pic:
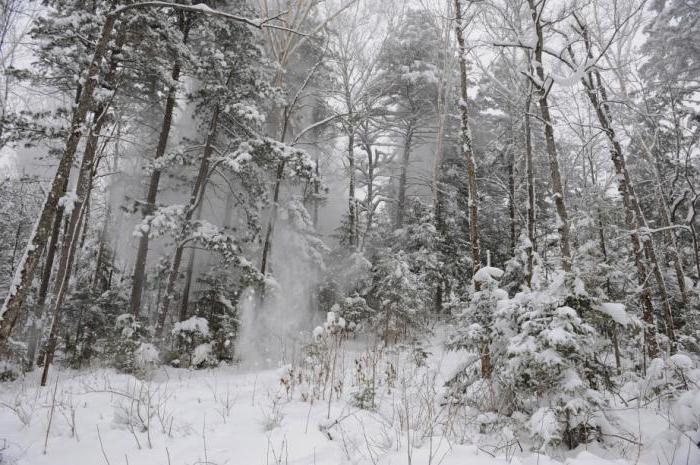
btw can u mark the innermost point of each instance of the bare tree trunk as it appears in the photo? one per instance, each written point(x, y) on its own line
point(466, 139)
point(555, 174)
point(139, 274)
point(511, 200)
point(195, 198)
point(530, 172)
point(401, 201)
point(12, 307)
point(317, 193)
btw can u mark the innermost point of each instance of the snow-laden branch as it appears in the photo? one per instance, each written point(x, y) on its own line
point(205, 9)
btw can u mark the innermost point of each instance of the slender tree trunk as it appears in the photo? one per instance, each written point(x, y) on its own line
point(351, 186)
point(465, 139)
point(369, 201)
point(99, 281)
point(403, 176)
point(317, 193)
point(511, 200)
point(195, 198)
point(185, 301)
point(530, 173)
point(555, 174)
point(273, 218)
point(10, 311)
point(139, 274)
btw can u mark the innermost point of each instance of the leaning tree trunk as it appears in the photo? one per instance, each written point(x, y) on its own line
point(61, 287)
point(626, 189)
point(36, 324)
point(665, 216)
point(80, 208)
point(555, 174)
point(11, 309)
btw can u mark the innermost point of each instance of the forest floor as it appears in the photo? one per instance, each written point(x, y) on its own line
point(261, 416)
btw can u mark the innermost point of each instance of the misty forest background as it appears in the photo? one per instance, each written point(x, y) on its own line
point(198, 183)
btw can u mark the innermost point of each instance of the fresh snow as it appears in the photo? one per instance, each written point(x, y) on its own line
point(616, 312)
point(247, 415)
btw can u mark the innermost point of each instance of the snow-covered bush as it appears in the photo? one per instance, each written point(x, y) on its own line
point(191, 338)
point(128, 347)
point(551, 364)
point(542, 356)
point(475, 322)
point(218, 304)
point(401, 297)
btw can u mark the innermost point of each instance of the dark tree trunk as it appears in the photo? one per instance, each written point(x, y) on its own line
point(403, 176)
point(195, 198)
point(139, 274)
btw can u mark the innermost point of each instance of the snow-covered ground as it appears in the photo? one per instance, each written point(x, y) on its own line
point(237, 415)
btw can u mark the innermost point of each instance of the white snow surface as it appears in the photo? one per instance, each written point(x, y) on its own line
point(617, 312)
point(245, 415)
